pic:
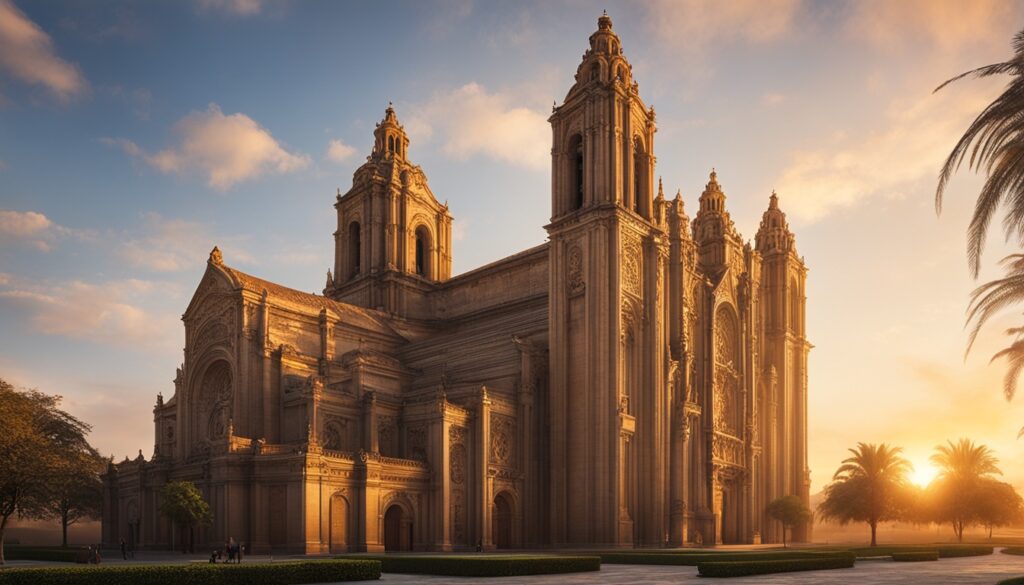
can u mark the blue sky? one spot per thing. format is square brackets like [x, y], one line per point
[120, 167]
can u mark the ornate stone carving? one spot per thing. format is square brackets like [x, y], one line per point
[503, 440]
[457, 463]
[574, 276]
[387, 433]
[631, 269]
[416, 442]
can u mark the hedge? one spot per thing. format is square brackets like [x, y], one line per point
[1013, 581]
[1013, 550]
[692, 559]
[916, 556]
[946, 551]
[284, 573]
[744, 568]
[42, 553]
[485, 566]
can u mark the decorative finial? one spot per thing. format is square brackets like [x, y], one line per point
[216, 257]
[604, 13]
[330, 278]
[773, 201]
[661, 190]
[339, 192]
[679, 194]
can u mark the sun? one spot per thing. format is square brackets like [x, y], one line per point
[923, 473]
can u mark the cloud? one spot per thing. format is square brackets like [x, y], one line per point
[947, 24]
[30, 227]
[232, 7]
[27, 53]
[694, 24]
[225, 149]
[851, 169]
[173, 245]
[112, 312]
[338, 151]
[469, 122]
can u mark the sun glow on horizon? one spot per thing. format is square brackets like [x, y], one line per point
[923, 474]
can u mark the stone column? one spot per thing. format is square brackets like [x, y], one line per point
[483, 448]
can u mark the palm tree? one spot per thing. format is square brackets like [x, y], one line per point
[867, 487]
[963, 469]
[995, 144]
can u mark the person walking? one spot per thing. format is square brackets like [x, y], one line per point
[124, 550]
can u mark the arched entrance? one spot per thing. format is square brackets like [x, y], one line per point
[339, 524]
[501, 523]
[397, 530]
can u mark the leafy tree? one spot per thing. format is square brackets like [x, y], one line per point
[870, 486]
[994, 143]
[76, 491]
[964, 469]
[37, 440]
[182, 503]
[790, 511]
[998, 504]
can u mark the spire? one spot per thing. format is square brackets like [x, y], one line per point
[661, 189]
[391, 140]
[712, 199]
[774, 234]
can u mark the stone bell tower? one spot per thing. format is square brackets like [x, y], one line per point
[607, 360]
[394, 239]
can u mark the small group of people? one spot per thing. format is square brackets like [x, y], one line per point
[232, 549]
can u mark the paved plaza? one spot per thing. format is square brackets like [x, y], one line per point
[983, 570]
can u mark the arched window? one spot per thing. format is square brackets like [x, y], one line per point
[639, 174]
[354, 248]
[576, 174]
[423, 252]
[391, 144]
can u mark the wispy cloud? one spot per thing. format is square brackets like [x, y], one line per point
[118, 312]
[27, 53]
[945, 24]
[851, 168]
[232, 7]
[226, 149]
[470, 121]
[31, 228]
[172, 245]
[695, 24]
[338, 151]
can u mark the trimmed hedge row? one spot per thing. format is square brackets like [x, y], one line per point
[693, 559]
[946, 551]
[42, 553]
[286, 573]
[1013, 550]
[485, 566]
[745, 568]
[916, 556]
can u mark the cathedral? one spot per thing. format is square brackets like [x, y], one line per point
[637, 380]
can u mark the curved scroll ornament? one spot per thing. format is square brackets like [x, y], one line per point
[502, 440]
[574, 277]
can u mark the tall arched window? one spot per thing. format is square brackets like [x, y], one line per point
[639, 174]
[423, 252]
[391, 144]
[576, 172]
[354, 248]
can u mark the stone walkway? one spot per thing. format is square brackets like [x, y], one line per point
[985, 570]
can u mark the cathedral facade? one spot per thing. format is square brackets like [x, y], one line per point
[638, 380]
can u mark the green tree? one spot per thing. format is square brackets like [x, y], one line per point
[963, 469]
[994, 143]
[870, 486]
[37, 440]
[76, 491]
[182, 503]
[998, 504]
[790, 511]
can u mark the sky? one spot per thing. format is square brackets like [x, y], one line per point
[136, 136]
